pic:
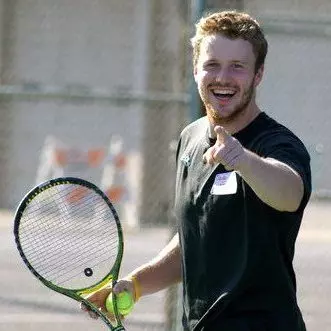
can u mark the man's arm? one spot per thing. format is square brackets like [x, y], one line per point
[274, 182]
[162, 271]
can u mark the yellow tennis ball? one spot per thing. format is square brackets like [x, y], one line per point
[124, 301]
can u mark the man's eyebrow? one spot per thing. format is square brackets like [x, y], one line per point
[211, 59]
[240, 61]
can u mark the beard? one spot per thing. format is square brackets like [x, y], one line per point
[214, 115]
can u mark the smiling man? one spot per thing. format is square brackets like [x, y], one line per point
[226, 84]
[243, 181]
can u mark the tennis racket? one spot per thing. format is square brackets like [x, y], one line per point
[69, 236]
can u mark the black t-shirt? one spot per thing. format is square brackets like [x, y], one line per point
[234, 245]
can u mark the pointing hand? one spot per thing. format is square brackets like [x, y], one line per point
[227, 150]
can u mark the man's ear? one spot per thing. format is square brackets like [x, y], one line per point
[259, 75]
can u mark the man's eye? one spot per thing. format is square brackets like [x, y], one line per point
[237, 66]
[211, 64]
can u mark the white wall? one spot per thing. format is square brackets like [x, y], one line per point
[86, 46]
[297, 90]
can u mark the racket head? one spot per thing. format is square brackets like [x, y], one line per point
[70, 237]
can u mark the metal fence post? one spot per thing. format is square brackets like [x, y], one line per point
[197, 9]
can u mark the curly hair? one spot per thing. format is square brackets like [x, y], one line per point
[233, 25]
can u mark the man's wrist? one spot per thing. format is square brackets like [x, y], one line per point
[245, 161]
[136, 287]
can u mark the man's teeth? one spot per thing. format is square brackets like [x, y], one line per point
[223, 92]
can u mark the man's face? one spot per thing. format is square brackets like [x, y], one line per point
[226, 78]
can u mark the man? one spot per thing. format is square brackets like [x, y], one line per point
[243, 181]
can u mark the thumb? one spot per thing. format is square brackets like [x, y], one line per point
[221, 134]
[123, 285]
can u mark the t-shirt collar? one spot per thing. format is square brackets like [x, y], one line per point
[211, 138]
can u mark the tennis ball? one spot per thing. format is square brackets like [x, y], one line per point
[124, 301]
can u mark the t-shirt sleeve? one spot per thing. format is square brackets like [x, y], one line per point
[287, 148]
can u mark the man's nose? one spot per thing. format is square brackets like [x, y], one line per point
[223, 75]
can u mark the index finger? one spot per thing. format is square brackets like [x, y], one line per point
[221, 134]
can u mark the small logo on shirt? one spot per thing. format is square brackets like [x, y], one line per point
[186, 160]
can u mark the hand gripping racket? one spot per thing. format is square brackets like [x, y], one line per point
[69, 236]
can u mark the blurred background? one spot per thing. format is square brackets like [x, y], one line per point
[100, 89]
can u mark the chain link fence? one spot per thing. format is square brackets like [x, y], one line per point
[96, 89]
[100, 90]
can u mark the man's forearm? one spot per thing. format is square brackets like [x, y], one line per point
[274, 182]
[161, 272]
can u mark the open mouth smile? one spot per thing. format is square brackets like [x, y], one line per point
[223, 94]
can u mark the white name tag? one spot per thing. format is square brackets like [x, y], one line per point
[225, 183]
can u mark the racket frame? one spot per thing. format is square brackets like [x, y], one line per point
[76, 294]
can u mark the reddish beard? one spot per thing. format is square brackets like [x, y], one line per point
[214, 115]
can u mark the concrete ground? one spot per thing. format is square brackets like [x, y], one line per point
[25, 303]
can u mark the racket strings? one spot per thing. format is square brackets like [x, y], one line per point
[55, 262]
[58, 261]
[66, 276]
[65, 226]
[60, 266]
[82, 232]
[54, 198]
[43, 254]
[63, 235]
